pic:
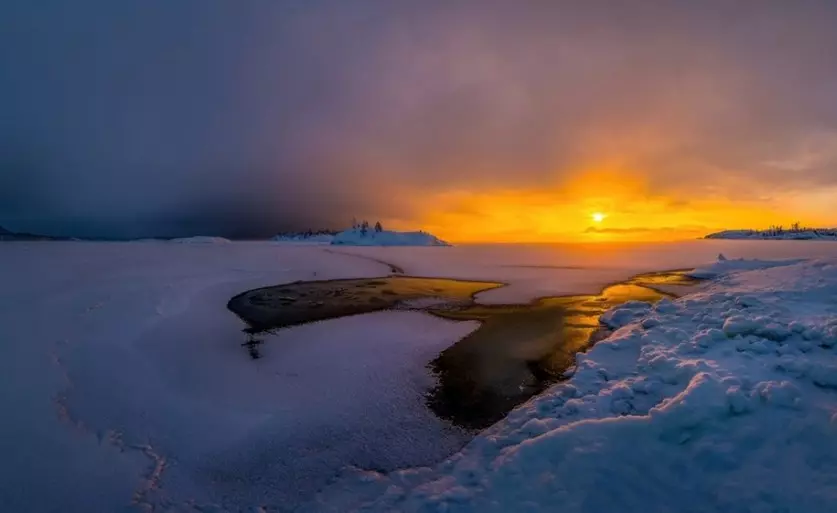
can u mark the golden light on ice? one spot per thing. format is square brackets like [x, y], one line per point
[598, 217]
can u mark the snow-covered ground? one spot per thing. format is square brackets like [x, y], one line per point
[724, 400]
[370, 237]
[124, 386]
[124, 380]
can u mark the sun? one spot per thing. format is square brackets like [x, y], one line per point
[598, 217]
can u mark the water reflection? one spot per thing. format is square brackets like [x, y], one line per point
[518, 350]
[309, 301]
[281, 306]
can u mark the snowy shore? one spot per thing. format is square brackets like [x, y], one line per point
[136, 394]
[723, 400]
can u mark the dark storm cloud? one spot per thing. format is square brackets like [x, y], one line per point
[243, 118]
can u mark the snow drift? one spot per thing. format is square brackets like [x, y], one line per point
[357, 237]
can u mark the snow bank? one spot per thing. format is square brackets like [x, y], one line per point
[725, 402]
[201, 240]
[355, 237]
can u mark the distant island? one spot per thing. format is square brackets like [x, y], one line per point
[308, 236]
[360, 234]
[6, 235]
[363, 234]
[356, 237]
[795, 232]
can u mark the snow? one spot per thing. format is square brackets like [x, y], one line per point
[370, 237]
[140, 363]
[630, 311]
[726, 266]
[125, 386]
[725, 403]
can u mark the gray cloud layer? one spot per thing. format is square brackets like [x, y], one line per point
[243, 118]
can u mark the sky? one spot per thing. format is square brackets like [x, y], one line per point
[481, 120]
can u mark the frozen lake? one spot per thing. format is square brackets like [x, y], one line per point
[125, 386]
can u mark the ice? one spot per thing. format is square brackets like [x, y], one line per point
[560, 269]
[124, 385]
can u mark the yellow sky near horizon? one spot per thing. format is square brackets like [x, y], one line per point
[566, 213]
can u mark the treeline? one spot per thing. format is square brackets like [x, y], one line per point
[779, 230]
[307, 233]
[363, 226]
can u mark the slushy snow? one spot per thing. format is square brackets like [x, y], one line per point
[358, 237]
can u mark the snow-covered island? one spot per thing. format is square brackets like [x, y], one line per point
[362, 234]
[309, 237]
[361, 237]
[7, 235]
[778, 233]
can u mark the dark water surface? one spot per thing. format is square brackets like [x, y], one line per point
[302, 302]
[518, 350]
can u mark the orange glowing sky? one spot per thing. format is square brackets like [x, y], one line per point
[475, 120]
[602, 206]
[671, 130]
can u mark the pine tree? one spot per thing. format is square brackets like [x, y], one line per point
[378, 227]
